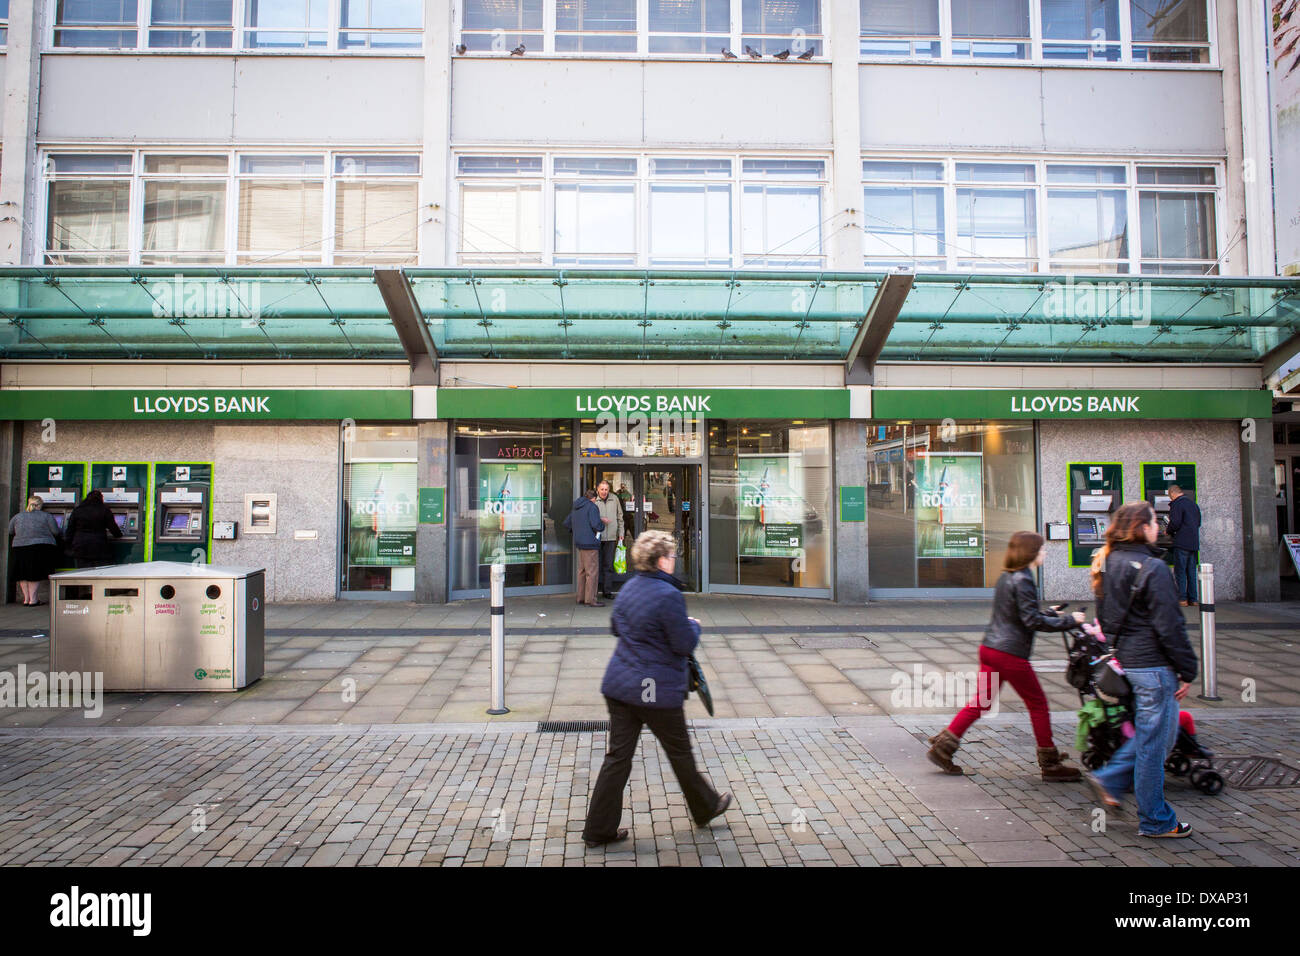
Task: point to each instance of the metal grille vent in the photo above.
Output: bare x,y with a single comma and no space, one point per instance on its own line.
572,726
1258,773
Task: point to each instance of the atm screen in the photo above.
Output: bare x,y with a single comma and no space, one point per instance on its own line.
1162,503
178,521
121,521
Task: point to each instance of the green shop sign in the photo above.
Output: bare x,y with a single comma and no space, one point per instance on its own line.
1014,403
241,404
593,402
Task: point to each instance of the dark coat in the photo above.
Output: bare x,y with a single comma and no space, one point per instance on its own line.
1017,615
1155,633
585,523
87,533
1185,523
655,637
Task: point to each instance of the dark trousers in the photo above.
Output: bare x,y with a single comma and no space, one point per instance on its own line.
1184,573
607,549
669,727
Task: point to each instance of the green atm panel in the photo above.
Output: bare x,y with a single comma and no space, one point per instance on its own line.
61,485
125,487
1157,476
181,524
1096,489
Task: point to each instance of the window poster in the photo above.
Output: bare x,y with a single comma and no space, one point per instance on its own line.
382,499
950,505
510,511
772,506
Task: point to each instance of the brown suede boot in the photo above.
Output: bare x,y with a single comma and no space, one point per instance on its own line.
1050,761
942,746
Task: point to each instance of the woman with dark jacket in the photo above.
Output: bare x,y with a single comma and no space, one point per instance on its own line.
1004,658
645,683
87,531
1137,608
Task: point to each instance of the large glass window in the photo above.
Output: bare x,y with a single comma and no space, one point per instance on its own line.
1171,31
1081,30
88,209
689,26
286,24
997,29
770,504
380,24
502,25
376,209
996,223
500,219
900,28
595,211
781,212
196,24
1179,229
380,497
943,502
281,203
602,26
184,209
109,24
512,488
1087,225
792,27
690,215
903,223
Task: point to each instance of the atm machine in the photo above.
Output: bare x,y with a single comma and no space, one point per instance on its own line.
1156,479
182,512
59,485
1160,501
123,487
1091,511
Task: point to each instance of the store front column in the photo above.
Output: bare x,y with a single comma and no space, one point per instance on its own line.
431,535
850,535
1259,513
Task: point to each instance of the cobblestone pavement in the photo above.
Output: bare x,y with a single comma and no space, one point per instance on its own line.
816,792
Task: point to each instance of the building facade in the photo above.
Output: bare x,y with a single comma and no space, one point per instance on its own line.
840,292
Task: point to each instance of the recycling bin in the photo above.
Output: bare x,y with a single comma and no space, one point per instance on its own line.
160,625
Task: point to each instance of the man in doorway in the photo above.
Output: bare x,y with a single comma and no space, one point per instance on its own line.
611,513
584,521
1185,532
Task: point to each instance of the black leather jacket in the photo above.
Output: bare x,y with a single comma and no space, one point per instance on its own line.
1154,634
1017,615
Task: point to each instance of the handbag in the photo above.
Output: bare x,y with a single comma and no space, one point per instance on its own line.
1108,680
620,558
696,682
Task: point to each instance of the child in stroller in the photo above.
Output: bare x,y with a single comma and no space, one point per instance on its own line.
1105,722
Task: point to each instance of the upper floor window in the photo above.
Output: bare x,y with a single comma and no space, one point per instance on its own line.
324,25
1116,31
4,23
754,29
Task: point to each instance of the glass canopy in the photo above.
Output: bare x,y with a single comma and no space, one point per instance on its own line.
518,314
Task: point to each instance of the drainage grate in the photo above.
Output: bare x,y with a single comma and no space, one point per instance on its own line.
572,726
1258,773
825,643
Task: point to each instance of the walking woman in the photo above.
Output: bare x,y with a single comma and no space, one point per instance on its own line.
645,683
1004,657
1137,607
89,526
35,536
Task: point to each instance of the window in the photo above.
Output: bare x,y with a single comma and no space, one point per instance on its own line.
781,213
595,214
184,209
380,495
903,223
995,223
689,26
1081,30
109,24
286,24
88,209
191,23
599,26
380,25
1087,225
4,23
997,29
281,205
500,221
900,28
776,26
501,25
1179,230
690,215
376,209
1171,31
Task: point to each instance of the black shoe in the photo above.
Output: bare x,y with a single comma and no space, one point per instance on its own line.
618,837
724,801
596,604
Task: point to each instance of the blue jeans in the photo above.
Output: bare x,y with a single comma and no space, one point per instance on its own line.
1184,574
1140,763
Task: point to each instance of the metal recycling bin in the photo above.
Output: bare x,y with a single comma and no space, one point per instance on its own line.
161,625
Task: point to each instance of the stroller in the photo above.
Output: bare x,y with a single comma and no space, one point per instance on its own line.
1105,723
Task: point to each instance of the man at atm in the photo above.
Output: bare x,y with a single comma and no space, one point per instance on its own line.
87,531
1185,531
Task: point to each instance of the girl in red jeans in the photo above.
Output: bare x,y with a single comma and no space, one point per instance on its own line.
1004,657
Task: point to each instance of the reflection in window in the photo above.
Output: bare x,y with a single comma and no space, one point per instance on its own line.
903,224
380,24
197,24
595,220
781,222
1092,25
88,209
1170,31
773,27
106,24
995,29
380,497
184,209
900,28
689,26
690,221
595,26
286,24
1087,228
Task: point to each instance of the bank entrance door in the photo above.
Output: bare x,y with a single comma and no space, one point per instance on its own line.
657,497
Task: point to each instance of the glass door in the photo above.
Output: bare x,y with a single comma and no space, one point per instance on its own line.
657,498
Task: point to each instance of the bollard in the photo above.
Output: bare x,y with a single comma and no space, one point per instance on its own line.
1209,663
498,641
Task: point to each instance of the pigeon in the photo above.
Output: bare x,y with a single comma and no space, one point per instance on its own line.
518,51
806,54
460,49
783,55
727,54
752,52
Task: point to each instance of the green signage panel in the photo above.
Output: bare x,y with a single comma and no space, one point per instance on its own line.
592,402
1090,476
432,505
975,404
242,404
853,503
1157,476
